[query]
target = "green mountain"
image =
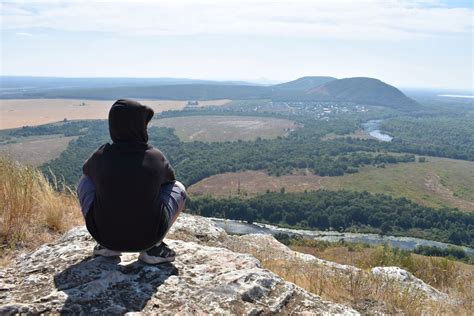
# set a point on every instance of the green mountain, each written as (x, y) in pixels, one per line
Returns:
(361, 90)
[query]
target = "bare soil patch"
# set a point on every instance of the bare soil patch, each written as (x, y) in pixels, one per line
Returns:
(255, 182)
(37, 150)
(21, 112)
(433, 184)
(226, 128)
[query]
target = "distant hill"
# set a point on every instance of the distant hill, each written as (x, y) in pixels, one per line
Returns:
(12, 87)
(361, 90)
(26, 82)
(160, 92)
(302, 84)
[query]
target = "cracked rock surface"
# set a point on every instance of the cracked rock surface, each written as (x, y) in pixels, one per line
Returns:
(63, 277)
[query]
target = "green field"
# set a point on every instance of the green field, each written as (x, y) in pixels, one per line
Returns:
(438, 182)
(225, 128)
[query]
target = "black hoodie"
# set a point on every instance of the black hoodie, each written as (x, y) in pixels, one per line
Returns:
(126, 214)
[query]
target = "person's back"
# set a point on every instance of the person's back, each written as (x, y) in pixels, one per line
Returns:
(130, 210)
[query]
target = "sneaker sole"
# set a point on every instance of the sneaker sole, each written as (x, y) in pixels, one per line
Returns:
(154, 260)
(106, 253)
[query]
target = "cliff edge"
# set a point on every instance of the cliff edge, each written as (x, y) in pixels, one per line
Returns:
(214, 273)
(63, 277)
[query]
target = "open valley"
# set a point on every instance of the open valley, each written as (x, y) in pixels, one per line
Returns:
(438, 182)
(237, 157)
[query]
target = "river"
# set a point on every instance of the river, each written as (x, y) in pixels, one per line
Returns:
(372, 128)
(456, 96)
(406, 243)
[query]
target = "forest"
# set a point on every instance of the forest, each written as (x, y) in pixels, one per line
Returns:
(424, 132)
(195, 161)
(344, 211)
(304, 147)
(449, 136)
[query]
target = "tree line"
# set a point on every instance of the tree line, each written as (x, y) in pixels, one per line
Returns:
(450, 136)
(343, 211)
(195, 161)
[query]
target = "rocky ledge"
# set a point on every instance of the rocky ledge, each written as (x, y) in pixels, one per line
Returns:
(206, 277)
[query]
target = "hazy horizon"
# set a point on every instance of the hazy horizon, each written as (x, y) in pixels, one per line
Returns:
(256, 81)
(408, 44)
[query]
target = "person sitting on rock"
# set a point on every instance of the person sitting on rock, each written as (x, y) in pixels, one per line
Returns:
(128, 192)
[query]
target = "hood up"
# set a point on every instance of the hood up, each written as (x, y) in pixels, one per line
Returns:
(128, 121)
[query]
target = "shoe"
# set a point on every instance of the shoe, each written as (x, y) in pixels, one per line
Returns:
(100, 250)
(157, 254)
(181, 186)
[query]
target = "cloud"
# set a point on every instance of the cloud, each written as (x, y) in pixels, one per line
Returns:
(24, 34)
(361, 19)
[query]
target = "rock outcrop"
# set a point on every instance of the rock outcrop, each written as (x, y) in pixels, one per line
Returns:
(206, 277)
(408, 281)
(214, 273)
(195, 228)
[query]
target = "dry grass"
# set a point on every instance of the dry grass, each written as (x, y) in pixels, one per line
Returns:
(441, 273)
(365, 292)
(251, 183)
(370, 294)
(358, 288)
(436, 183)
(32, 211)
(361, 290)
(20, 112)
(215, 128)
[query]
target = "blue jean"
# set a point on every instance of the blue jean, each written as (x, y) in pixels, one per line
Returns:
(172, 195)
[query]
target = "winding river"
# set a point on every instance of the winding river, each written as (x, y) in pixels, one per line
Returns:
(406, 243)
(372, 127)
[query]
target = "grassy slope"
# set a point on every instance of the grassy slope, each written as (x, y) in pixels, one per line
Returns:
(436, 183)
(446, 275)
(369, 295)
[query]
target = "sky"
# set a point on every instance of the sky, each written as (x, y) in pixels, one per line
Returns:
(420, 43)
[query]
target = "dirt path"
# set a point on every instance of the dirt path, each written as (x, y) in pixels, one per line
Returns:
(433, 183)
